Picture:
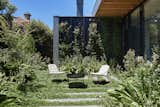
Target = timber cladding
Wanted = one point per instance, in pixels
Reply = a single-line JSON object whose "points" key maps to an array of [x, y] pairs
{"points": [[117, 7]]}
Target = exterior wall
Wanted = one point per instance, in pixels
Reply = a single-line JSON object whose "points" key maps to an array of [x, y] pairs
{"points": [[111, 32], [152, 25], [109, 28], [142, 28], [56, 41], [133, 32]]}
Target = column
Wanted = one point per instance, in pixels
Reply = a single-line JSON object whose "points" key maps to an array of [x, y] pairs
{"points": [[56, 41]]}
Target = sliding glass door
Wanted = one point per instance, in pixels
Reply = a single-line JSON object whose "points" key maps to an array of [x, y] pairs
{"points": [[152, 26]]}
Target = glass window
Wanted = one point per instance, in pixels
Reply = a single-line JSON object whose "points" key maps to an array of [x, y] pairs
{"points": [[152, 25], [134, 33]]}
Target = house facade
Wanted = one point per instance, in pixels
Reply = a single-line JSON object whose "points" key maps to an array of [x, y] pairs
{"points": [[122, 24], [21, 21], [140, 23]]}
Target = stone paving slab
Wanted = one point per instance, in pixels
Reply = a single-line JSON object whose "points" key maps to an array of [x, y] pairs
{"points": [[86, 93], [75, 106], [72, 100]]}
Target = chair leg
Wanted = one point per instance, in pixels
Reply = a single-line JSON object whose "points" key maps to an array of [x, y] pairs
{"points": [[106, 78], [95, 78]]}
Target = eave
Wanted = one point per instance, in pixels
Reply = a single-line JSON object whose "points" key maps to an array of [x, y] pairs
{"points": [[114, 7]]}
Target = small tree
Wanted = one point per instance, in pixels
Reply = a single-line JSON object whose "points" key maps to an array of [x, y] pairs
{"points": [[130, 60], [43, 37], [75, 43], [65, 47], [95, 46], [7, 9]]}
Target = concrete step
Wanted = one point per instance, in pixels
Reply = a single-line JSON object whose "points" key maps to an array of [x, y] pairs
{"points": [[86, 93], [75, 106], [72, 100]]}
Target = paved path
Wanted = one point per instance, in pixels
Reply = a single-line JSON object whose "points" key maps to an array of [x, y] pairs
{"points": [[74, 106], [86, 93], [72, 100]]}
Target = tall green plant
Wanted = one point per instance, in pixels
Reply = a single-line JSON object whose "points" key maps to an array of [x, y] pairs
{"points": [[18, 65], [95, 46], [42, 36], [65, 46], [130, 60], [139, 88], [80, 64]]}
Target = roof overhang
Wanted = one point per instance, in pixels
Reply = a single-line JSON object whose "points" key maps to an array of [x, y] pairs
{"points": [[114, 7]]}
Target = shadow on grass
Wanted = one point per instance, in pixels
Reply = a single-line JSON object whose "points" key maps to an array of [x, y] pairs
{"points": [[58, 81], [102, 82], [77, 85]]}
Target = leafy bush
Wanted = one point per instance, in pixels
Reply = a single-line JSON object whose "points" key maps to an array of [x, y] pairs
{"points": [[43, 37], [19, 62], [129, 60], [78, 64], [6, 10], [18, 66], [69, 45], [138, 89], [95, 46], [73, 65], [73, 42]]}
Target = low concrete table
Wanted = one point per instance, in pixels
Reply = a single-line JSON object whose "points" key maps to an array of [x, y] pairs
{"points": [[76, 80]]}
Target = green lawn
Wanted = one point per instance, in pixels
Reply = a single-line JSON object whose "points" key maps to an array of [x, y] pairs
{"points": [[53, 90]]}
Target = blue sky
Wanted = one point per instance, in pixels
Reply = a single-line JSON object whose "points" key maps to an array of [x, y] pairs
{"points": [[44, 10]]}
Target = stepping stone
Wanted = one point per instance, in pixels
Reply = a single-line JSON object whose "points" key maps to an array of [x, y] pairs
{"points": [[74, 106], [86, 93], [72, 100]]}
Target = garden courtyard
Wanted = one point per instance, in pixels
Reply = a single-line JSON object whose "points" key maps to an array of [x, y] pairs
{"points": [[108, 61], [59, 94]]}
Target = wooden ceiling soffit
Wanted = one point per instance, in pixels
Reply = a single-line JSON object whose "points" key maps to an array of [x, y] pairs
{"points": [[116, 7]]}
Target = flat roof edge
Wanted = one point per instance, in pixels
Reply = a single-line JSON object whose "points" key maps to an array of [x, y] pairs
{"points": [[96, 7]]}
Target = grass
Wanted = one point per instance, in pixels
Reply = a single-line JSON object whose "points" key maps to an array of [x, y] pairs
{"points": [[53, 90]]}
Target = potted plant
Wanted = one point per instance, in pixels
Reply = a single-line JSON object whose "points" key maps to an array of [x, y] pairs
{"points": [[74, 67]]}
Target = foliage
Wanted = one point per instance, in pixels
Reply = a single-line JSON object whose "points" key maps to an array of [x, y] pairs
{"points": [[3, 23], [78, 64], [7, 9], [73, 65], [3, 4], [156, 56], [138, 89], [72, 41], [92, 64], [95, 46], [76, 41], [43, 37], [129, 60], [18, 64], [66, 44]]}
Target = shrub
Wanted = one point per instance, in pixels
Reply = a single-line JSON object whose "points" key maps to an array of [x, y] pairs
{"points": [[69, 45], [138, 89], [18, 66], [129, 60], [95, 46], [73, 42], [78, 64], [42, 36], [73, 65]]}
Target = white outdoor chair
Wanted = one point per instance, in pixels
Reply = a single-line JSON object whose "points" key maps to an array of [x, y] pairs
{"points": [[53, 69], [103, 72]]}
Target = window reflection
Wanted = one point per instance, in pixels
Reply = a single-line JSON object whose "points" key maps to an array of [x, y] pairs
{"points": [[152, 25], [135, 30]]}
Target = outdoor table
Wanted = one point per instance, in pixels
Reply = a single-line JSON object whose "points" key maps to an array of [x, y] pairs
{"points": [[76, 79]]}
